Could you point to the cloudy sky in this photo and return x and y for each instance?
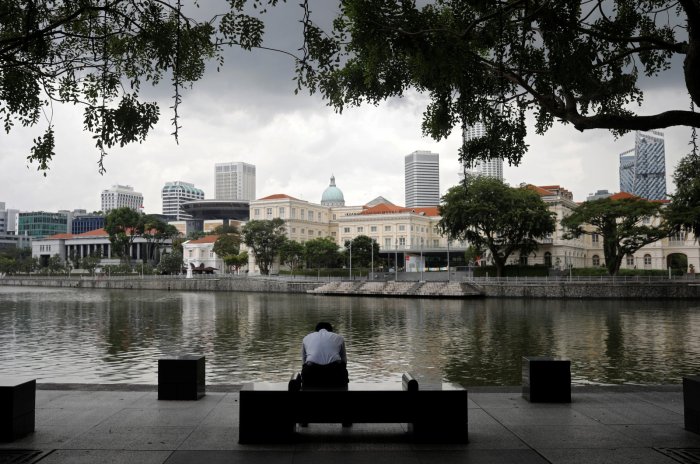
(248, 112)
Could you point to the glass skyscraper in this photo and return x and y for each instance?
(422, 179)
(643, 169)
(490, 168)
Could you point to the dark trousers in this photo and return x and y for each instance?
(334, 375)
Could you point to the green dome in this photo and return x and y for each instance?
(332, 196)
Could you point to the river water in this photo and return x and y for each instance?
(117, 336)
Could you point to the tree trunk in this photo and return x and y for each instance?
(691, 64)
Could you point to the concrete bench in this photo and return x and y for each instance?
(269, 413)
(546, 380)
(17, 408)
(181, 377)
(691, 403)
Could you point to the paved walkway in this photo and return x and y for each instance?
(600, 426)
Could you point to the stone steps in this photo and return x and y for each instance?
(393, 288)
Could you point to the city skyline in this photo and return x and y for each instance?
(249, 112)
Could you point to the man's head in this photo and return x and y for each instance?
(325, 326)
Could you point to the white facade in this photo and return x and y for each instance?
(200, 252)
(491, 168)
(174, 194)
(234, 181)
(120, 196)
(422, 179)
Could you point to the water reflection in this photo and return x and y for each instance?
(77, 335)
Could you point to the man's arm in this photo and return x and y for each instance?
(343, 354)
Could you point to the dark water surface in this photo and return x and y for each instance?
(117, 336)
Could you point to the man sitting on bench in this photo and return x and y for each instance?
(323, 357)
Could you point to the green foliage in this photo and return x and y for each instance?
(491, 215)
(90, 262)
(490, 62)
(17, 261)
(621, 225)
(684, 210)
(122, 225)
(170, 263)
(363, 249)
(292, 255)
(264, 238)
(227, 245)
(99, 54)
(236, 261)
(156, 232)
(321, 252)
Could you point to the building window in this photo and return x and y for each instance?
(596, 260)
(523, 260)
(334, 216)
(595, 238)
(647, 260)
(402, 228)
(319, 233)
(346, 230)
(303, 231)
(311, 216)
(402, 241)
(373, 228)
(256, 212)
(548, 259)
(436, 243)
(387, 228)
(311, 232)
(360, 230)
(387, 243)
(319, 217)
(269, 213)
(293, 213)
(332, 234)
(629, 259)
(281, 212)
(211, 254)
(294, 230)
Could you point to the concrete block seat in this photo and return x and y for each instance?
(181, 377)
(17, 407)
(269, 413)
(546, 380)
(691, 403)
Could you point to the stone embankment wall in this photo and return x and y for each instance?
(592, 289)
(676, 289)
(212, 285)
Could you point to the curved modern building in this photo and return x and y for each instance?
(204, 210)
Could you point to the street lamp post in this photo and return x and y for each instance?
(396, 260)
(448, 259)
(350, 260)
(371, 276)
(421, 260)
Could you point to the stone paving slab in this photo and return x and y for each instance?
(123, 426)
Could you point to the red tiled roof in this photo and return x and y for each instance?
(541, 191)
(59, 237)
(278, 196)
(205, 239)
(384, 208)
(622, 196)
(94, 233)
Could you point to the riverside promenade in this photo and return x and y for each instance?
(127, 424)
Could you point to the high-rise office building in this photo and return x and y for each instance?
(176, 193)
(422, 181)
(643, 169)
(120, 196)
(41, 224)
(235, 181)
(489, 168)
(8, 220)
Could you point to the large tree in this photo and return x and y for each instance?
(292, 254)
(123, 226)
(264, 238)
(99, 53)
(156, 232)
(573, 61)
(363, 249)
(684, 210)
(625, 225)
(321, 252)
(489, 214)
(228, 244)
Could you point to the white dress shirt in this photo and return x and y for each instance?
(323, 348)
